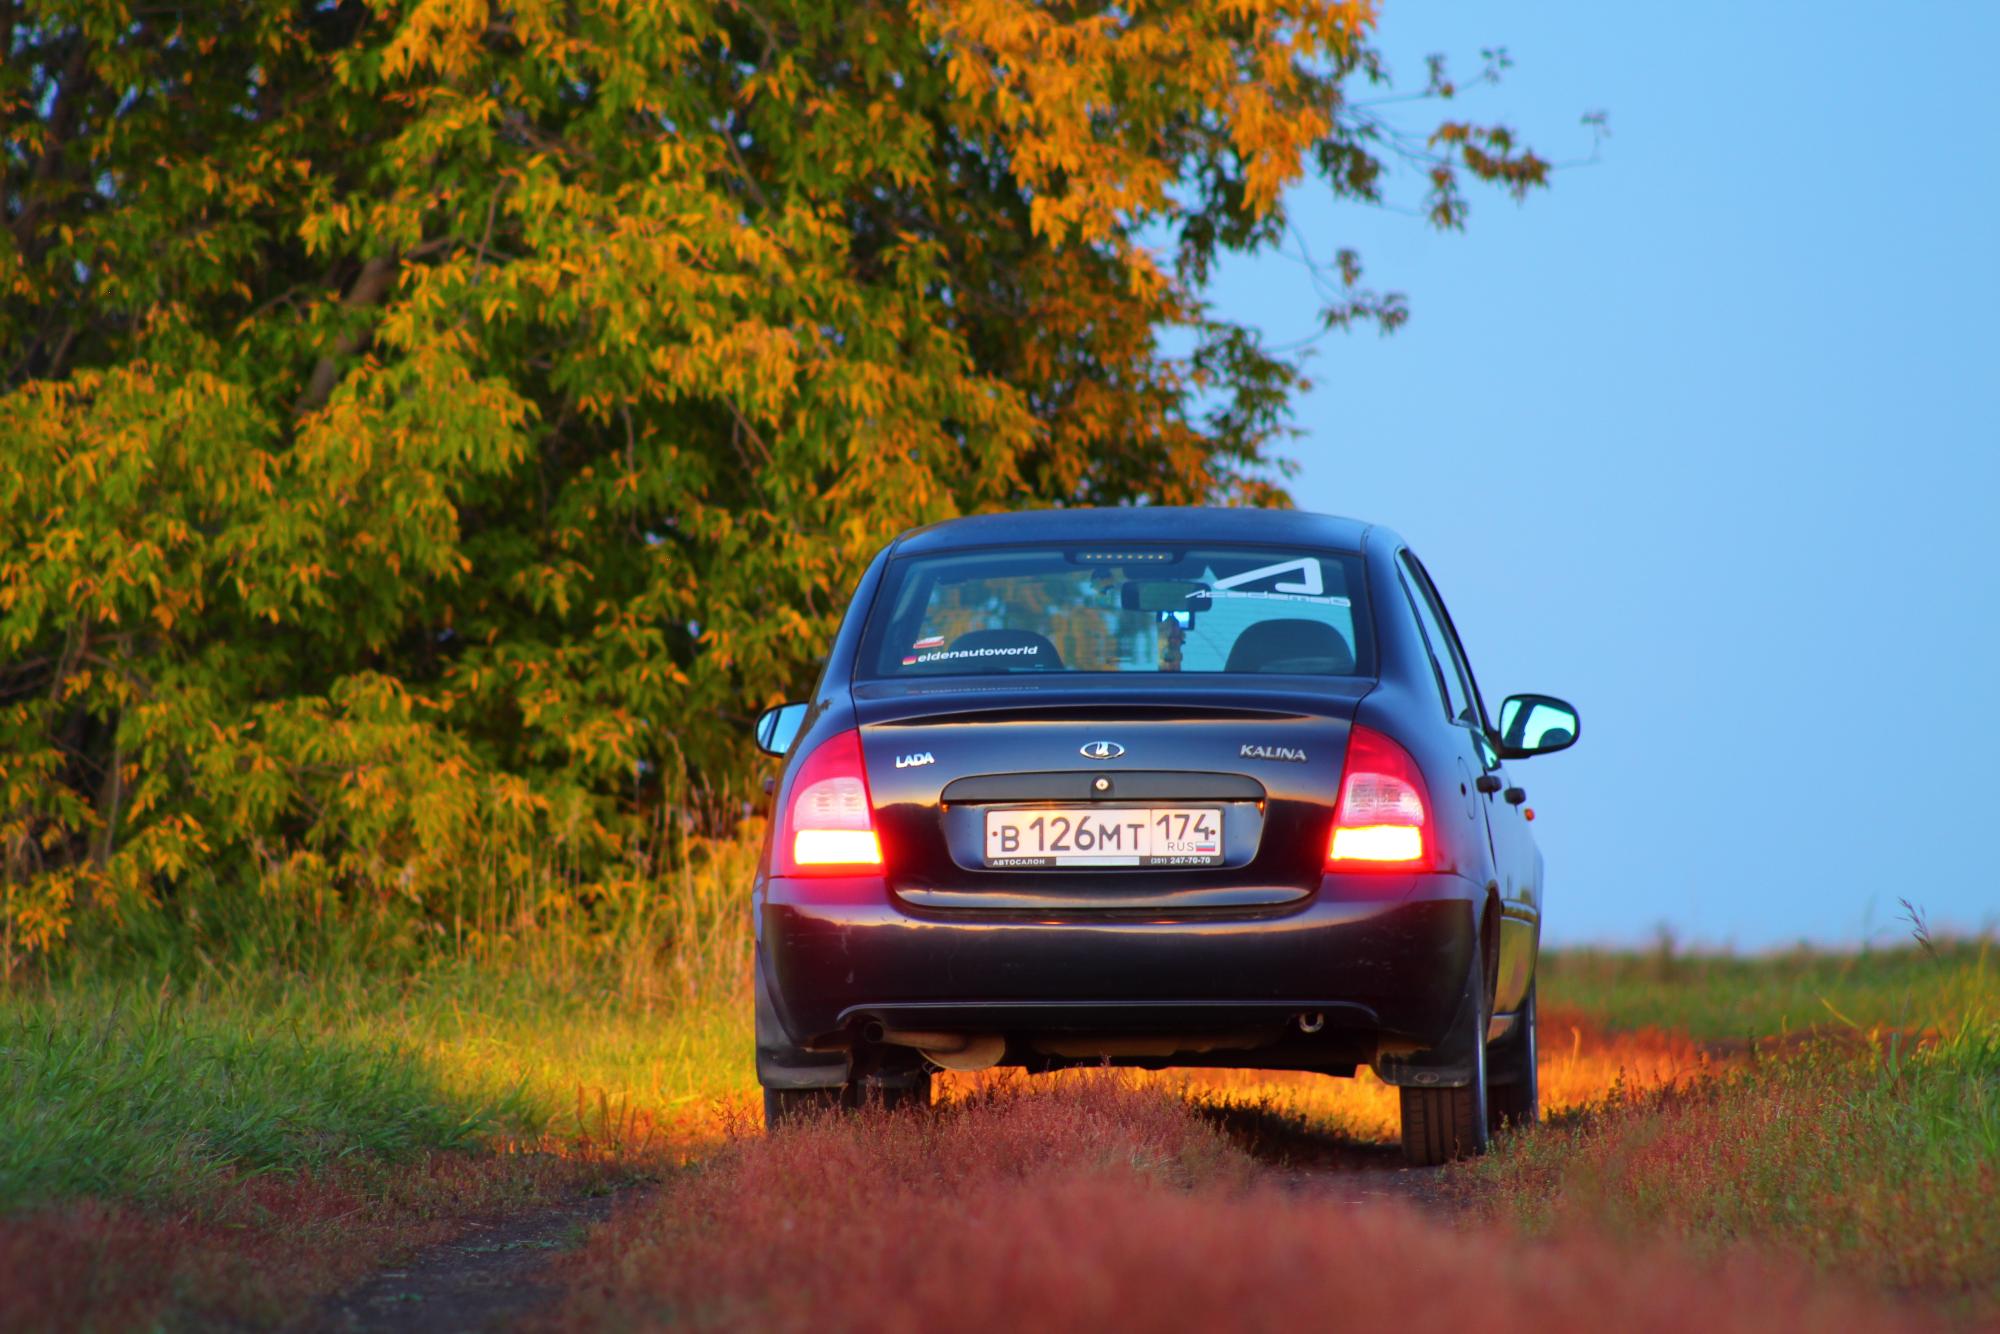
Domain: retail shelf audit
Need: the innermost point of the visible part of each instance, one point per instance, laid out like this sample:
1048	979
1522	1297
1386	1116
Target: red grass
258	1252
1581	1064
1096	1205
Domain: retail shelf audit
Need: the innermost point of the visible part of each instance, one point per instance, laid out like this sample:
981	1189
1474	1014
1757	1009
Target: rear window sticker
1310	588
955	654
1306	565
1259	594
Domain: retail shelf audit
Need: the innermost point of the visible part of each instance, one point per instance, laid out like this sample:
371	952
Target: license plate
1128	836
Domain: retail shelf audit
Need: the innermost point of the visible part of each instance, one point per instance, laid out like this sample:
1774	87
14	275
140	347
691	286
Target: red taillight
829	827
1380	819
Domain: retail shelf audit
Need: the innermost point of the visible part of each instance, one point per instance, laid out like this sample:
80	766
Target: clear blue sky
1707	439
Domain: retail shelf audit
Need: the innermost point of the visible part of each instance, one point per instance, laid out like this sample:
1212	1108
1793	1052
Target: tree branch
368	289
62	115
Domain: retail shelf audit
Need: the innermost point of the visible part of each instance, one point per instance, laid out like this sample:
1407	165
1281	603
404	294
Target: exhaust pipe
915	1037
1312	1023
965	1052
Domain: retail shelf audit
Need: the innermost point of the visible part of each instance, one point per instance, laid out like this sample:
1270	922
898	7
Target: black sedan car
1153	787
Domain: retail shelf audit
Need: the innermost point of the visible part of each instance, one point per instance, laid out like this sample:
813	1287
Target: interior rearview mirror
1536	725
1162	595
778	728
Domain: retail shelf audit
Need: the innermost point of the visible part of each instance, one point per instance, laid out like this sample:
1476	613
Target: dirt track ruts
497	1274
490	1277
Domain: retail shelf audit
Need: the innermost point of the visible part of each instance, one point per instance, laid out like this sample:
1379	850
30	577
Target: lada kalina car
1153	787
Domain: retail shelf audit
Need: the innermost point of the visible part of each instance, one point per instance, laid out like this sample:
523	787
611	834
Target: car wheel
1444	1124
1514	1094
905	1090
785	1106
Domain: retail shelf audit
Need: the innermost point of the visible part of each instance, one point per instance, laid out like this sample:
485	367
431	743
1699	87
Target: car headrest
999	650
1306	647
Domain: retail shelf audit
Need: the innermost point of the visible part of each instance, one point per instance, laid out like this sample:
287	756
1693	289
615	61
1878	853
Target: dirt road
494	1276
503	1273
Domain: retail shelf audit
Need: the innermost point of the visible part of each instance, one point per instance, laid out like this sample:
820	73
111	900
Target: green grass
1722	996
1871	1149
148	1098
1872	1168
559	1043
123	1089
228	1033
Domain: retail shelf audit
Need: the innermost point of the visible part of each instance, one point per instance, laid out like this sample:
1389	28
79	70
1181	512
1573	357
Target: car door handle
1487	783
1516	795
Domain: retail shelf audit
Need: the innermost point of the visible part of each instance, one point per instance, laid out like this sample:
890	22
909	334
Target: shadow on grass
151	1099
1290	1139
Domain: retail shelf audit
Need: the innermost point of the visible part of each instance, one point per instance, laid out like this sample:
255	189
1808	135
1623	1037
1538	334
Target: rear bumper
840	956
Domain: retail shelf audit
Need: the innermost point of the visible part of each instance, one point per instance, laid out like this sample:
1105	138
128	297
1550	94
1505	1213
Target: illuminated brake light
836	847
1378	843
1379	821
829	828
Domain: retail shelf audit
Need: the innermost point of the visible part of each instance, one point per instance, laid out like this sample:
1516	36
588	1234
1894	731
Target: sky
1706	439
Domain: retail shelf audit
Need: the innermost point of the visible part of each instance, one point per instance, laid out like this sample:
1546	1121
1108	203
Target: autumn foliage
441	425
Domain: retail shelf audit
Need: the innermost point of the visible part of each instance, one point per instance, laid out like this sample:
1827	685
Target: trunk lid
941	756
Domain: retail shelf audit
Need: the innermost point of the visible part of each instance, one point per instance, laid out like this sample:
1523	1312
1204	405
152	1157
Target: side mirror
1536	725
778	728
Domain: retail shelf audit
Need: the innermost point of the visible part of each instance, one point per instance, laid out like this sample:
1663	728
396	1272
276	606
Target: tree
443	424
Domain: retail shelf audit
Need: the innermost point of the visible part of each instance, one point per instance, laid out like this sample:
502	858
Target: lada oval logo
1103	750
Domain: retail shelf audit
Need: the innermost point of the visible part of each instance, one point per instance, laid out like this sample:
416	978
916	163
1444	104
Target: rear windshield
1130	609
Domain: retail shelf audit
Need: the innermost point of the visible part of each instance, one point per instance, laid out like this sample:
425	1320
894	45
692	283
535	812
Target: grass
143	1098
237	1116
224	1118
126	1091
1868	1146
1099	1203
1580	1061
1740	997
186	1054
263	1251
1869	1149
1853	1161
228	1040
232	1152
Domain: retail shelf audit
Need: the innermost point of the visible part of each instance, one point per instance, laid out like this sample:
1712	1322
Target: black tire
1514	1091
907	1091
1441	1125
785	1106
